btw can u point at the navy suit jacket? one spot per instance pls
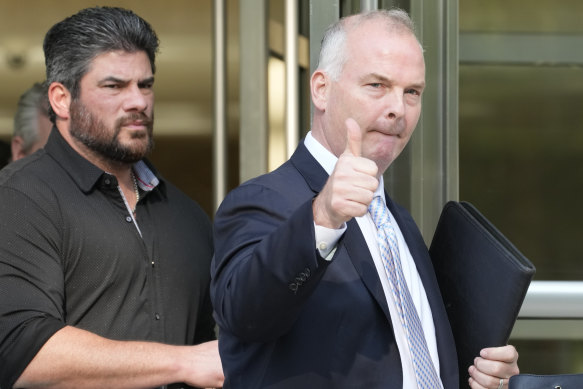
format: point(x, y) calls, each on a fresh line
point(290, 319)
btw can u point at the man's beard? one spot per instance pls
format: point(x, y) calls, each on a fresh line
point(94, 134)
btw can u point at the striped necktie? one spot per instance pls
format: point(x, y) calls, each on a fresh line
point(425, 373)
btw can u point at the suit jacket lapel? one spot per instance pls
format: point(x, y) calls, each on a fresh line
point(309, 168)
point(359, 254)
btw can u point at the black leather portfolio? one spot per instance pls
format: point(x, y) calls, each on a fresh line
point(483, 280)
point(559, 381)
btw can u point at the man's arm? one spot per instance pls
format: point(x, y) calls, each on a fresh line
point(74, 358)
point(264, 239)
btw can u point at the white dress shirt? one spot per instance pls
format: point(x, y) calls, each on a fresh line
point(326, 240)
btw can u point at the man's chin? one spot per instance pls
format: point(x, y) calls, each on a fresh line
point(132, 153)
point(132, 135)
point(128, 158)
point(383, 159)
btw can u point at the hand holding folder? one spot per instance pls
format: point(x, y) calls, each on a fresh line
point(483, 280)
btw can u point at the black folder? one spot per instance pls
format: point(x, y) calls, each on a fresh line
point(532, 381)
point(483, 280)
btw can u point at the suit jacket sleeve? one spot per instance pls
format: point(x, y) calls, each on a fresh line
point(266, 263)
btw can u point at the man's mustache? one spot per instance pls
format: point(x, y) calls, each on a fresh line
point(135, 117)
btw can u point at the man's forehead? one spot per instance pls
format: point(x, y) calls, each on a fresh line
point(111, 62)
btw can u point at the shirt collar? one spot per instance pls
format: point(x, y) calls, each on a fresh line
point(147, 180)
point(328, 160)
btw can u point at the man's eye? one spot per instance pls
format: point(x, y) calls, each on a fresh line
point(413, 92)
point(375, 85)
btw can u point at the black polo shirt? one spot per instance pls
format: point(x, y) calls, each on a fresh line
point(71, 254)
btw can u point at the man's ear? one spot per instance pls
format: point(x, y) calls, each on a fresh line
point(17, 147)
point(59, 99)
point(319, 87)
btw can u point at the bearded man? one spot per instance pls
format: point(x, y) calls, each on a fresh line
point(104, 265)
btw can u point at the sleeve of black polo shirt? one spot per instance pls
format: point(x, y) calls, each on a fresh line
point(31, 280)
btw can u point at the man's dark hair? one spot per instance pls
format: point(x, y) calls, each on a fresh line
point(72, 44)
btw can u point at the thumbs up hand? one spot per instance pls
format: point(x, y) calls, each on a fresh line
point(350, 188)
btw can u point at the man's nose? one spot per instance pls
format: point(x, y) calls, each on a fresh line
point(137, 99)
point(395, 104)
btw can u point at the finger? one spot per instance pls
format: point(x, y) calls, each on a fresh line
point(506, 354)
point(491, 368)
point(353, 138)
point(474, 384)
point(483, 380)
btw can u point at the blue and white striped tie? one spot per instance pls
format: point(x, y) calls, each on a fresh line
point(425, 373)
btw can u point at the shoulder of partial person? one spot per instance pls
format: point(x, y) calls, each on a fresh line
point(25, 169)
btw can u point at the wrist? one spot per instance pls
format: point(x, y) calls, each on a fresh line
point(321, 217)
